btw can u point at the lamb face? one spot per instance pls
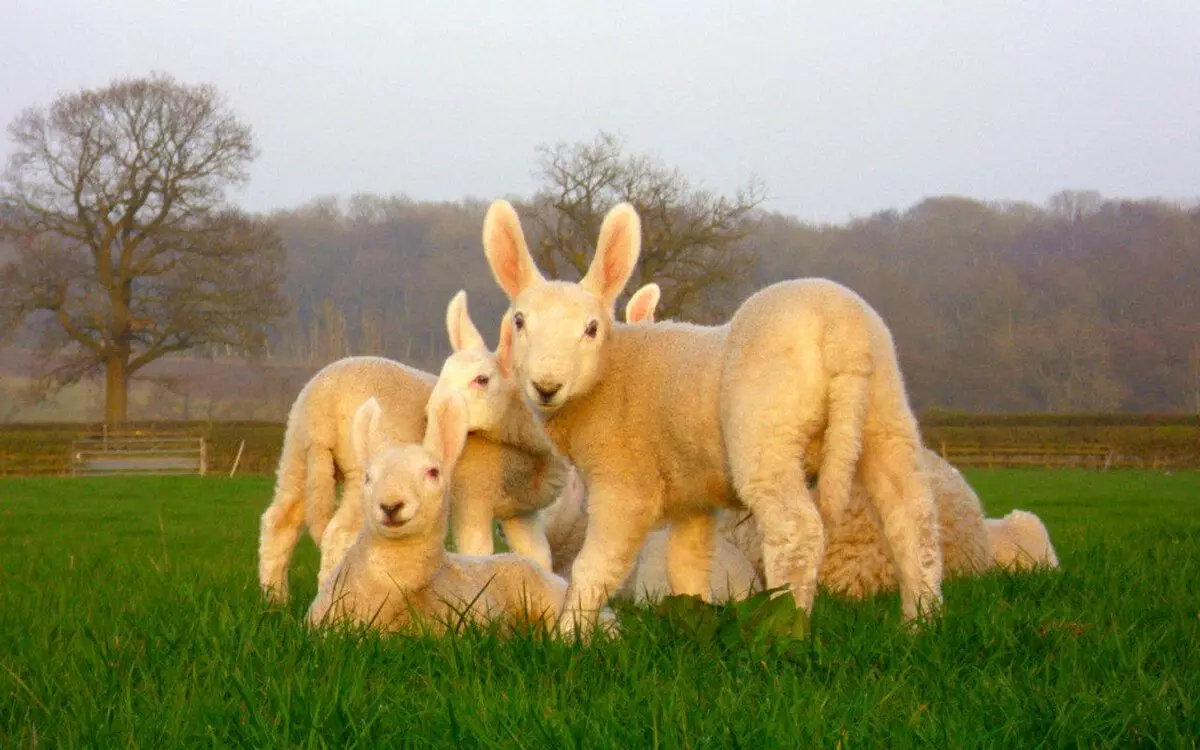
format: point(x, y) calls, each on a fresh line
point(559, 328)
point(404, 492)
point(475, 374)
point(559, 332)
point(404, 487)
point(484, 378)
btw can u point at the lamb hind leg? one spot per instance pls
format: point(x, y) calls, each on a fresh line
point(901, 496)
point(793, 544)
point(278, 533)
point(766, 435)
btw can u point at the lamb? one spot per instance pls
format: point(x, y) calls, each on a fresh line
point(398, 573)
point(856, 562)
point(508, 481)
point(672, 421)
point(1020, 540)
point(485, 379)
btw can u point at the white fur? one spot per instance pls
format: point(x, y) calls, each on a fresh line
point(1020, 541)
point(506, 481)
point(398, 572)
point(673, 421)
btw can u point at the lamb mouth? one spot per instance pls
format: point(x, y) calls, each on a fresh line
point(393, 523)
point(545, 409)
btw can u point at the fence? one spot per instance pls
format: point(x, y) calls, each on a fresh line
point(140, 454)
point(1089, 455)
point(26, 463)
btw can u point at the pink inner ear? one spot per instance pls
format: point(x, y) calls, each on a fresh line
point(614, 262)
point(508, 262)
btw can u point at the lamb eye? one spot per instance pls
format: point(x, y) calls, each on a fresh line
point(367, 478)
point(518, 321)
point(592, 329)
point(482, 379)
point(432, 472)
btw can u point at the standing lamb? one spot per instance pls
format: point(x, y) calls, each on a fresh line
point(856, 558)
point(510, 482)
point(398, 572)
point(672, 421)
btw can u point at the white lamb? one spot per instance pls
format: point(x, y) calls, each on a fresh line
point(856, 560)
point(398, 572)
point(506, 481)
point(672, 421)
point(1020, 540)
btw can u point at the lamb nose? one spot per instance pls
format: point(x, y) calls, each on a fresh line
point(390, 510)
point(547, 390)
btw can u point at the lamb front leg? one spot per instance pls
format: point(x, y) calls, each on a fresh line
point(343, 529)
point(619, 520)
point(526, 536)
point(471, 521)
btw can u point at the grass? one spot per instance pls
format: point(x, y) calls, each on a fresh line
point(129, 617)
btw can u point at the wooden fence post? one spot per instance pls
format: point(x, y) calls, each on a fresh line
point(238, 458)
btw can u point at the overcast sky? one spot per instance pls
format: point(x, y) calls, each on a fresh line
point(842, 109)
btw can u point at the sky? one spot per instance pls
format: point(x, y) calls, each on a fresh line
point(840, 109)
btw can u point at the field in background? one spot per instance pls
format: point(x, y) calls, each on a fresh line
point(1150, 441)
point(129, 615)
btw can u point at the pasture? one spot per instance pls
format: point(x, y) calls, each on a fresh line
point(130, 617)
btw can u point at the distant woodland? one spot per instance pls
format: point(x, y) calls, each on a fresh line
point(1084, 304)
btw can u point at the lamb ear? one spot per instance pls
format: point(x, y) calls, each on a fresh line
point(463, 333)
point(364, 431)
point(617, 253)
point(506, 251)
point(640, 307)
point(504, 350)
point(446, 428)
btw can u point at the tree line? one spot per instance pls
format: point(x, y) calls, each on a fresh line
point(1082, 304)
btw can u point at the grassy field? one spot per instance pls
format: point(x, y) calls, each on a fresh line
point(129, 617)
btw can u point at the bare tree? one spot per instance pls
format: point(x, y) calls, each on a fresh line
point(126, 245)
point(691, 237)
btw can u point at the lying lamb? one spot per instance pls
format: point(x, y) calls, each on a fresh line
point(398, 572)
point(1020, 540)
point(672, 421)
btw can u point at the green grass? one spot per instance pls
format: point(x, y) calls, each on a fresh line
point(129, 616)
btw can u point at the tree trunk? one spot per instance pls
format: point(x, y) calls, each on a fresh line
point(116, 385)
